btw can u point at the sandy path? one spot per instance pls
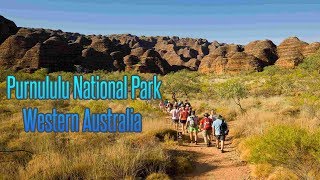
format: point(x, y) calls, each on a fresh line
point(212, 164)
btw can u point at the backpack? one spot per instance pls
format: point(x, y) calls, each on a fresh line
point(207, 124)
point(192, 122)
point(224, 128)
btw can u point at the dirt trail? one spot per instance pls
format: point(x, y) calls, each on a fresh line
point(212, 164)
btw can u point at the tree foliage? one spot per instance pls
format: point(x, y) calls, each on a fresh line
point(232, 89)
point(182, 83)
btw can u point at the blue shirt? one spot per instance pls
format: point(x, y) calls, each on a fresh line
point(216, 126)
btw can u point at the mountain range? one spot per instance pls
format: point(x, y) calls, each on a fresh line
point(29, 49)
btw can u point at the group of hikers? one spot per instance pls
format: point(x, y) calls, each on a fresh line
point(211, 124)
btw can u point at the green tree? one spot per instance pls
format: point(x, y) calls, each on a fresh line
point(232, 89)
point(182, 83)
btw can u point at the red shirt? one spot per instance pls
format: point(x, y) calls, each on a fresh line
point(206, 123)
point(184, 114)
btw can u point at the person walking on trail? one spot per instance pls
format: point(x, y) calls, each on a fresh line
point(175, 114)
point(213, 116)
point(187, 103)
point(183, 118)
point(175, 103)
point(190, 110)
point(220, 131)
point(165, 102)
point(174, 97)
point(161, 105)
point(192, 124)
point(187, 108)
point(169, 106)
point(206, 125)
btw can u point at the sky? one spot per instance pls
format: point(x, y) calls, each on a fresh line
point(229, 21)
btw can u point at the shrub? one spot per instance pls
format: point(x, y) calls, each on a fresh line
point(161, 134)
point(262, 170)
point(282, 174)
point(311, 63)
point(309, 104)
point(288, 147)
point(4, 73)
point(183, 165)
point(271, 70)
point(40, 74)
point(181, 162)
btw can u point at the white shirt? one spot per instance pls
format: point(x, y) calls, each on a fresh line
point(175, 113)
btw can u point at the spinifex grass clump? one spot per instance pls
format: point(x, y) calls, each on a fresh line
point(287, 146)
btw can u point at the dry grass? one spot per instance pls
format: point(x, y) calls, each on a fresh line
point(158, 176)
point(282, 174)
point(270, 112)
point(85, 155)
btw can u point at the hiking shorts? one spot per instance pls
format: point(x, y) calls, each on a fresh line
point(193, 129)
point(221, 137)
point(176, 121)
point(183, 121)
point(207, 132)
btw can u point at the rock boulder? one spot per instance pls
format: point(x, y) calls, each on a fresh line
point(264, 50)
point(7, 28)
point(290, 52)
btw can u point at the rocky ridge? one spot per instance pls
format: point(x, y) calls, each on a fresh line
point(30, 49)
